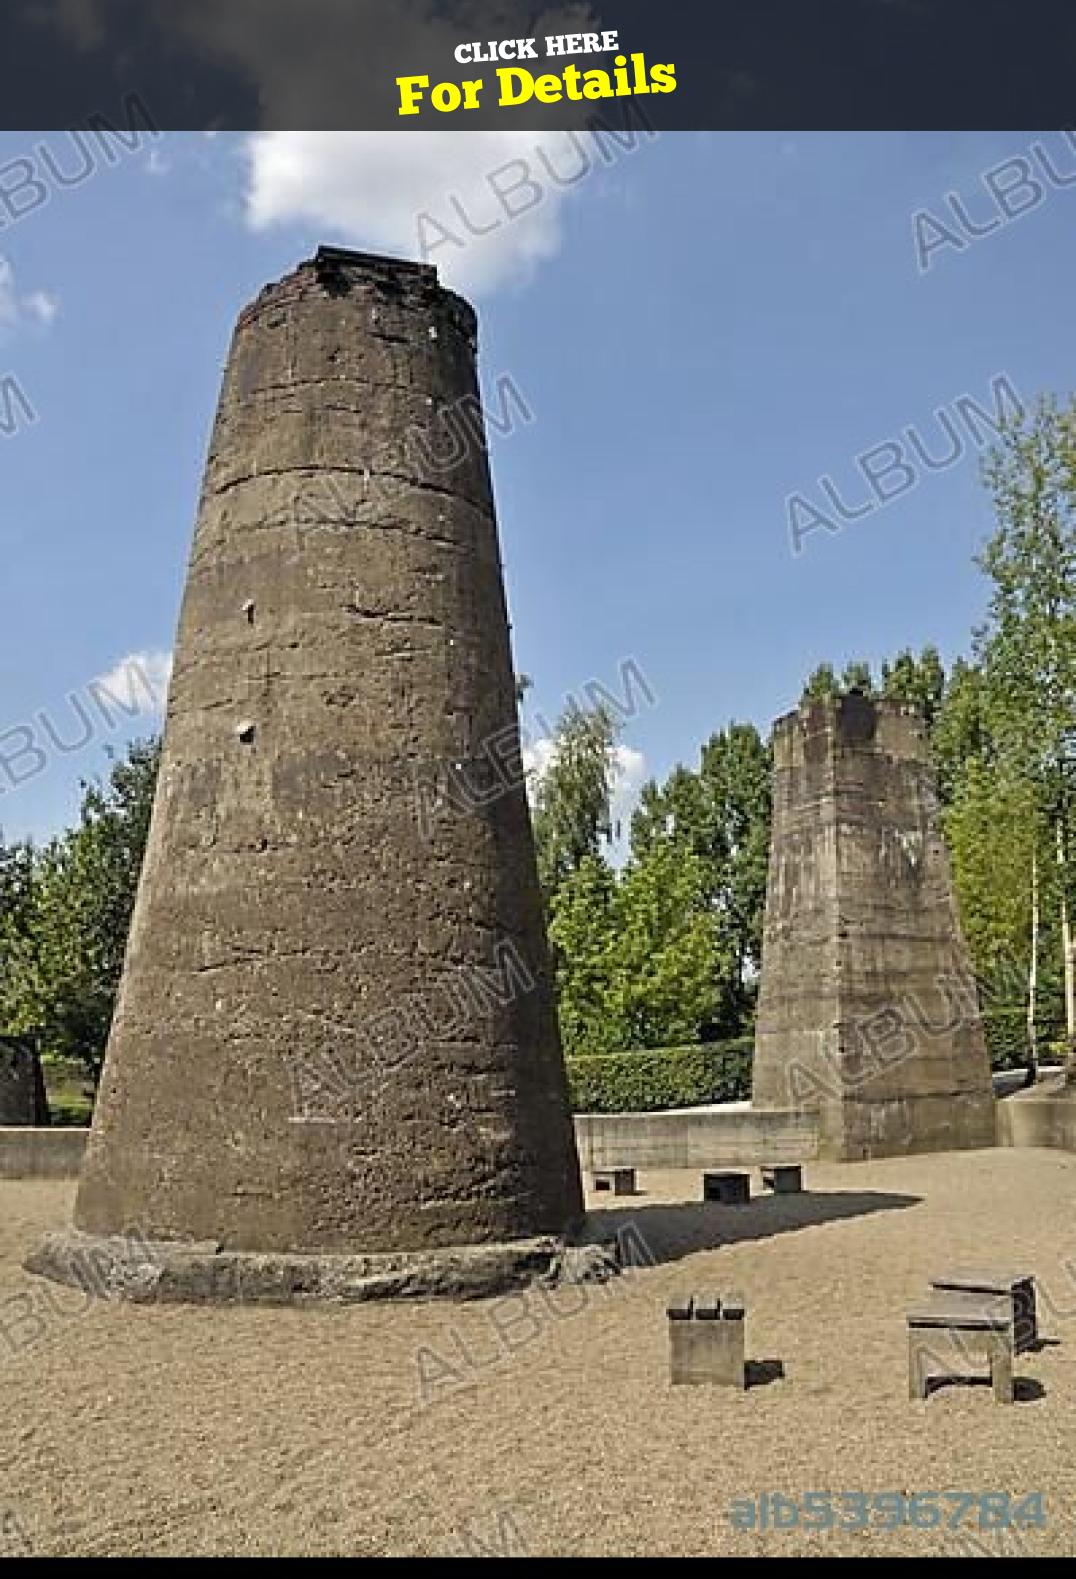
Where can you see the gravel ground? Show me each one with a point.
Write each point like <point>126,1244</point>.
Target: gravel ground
<point>546,1424</point>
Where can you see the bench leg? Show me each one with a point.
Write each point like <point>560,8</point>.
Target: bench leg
<point>917,1376</point>
<point>737,1361</point>
<point>1001,1372</point>
<point>1025,1317</point>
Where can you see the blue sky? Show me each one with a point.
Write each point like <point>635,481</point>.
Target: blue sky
<point>701,327</point>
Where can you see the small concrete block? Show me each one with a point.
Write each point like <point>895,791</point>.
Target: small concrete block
<point>616,1181</point>
<point>704,1346</point>
<point>731,1189</point>
<point>1015,1284</point>
<point>949,1327</point>
<point>783,1178</point>
<point>962,1312</point>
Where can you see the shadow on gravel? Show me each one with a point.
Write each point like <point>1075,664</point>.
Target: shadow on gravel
<point>1026,1389</point>
<point>760,1373</point>
<point>673,1230</point>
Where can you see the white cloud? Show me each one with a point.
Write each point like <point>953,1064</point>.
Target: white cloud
<point>42,306</point>
<point>9,302</point>
<point>537,756</point>
<point>483,206</point>
<point>17,309</point>
<point>371,189</point>
<point>138,683</point>
<point>631,774</point>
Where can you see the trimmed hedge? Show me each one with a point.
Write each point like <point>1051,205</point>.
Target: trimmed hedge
<point>662,1077</point>
<point>677,1077</point>
<point>1006,1036</point>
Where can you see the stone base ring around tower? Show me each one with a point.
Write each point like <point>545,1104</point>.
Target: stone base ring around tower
<point>169,1272</point>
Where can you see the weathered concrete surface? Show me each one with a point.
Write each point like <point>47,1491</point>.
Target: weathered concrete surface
<point>868,1014</point>
<point>147,1271</point>
<point>698,1138</point>
<point>706,1340</point>
<point>41,1153</point>
<point>335,1030</point>
<point>695,1139</point>
<point>22,1085</point>
<point>1043,1116</point>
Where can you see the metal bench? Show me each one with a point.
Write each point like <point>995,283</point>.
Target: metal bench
<point>1008,1283</point>
<point>706,1340</point>
<point>617,1181</point>
<point>951,1326</point>
<point>731,1189</point>
<point>783,1178</point>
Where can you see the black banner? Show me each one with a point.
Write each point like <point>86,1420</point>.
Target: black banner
<point>464,65</point>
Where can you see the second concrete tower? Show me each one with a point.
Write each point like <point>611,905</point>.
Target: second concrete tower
<point>336,1029</point>
<point>868,1014</point>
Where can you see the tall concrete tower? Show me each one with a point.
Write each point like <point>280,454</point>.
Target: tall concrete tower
<point>868,1013</point>
<point>336,1032</point>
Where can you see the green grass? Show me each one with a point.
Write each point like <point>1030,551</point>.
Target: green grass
<point>69,1092</point>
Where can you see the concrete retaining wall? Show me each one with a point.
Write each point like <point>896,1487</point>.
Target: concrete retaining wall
<point>691,1138</point>
<point>739,1135</point>
<point>41,1153</point>
<point>694,1138</point>
<point>1043,1117</point>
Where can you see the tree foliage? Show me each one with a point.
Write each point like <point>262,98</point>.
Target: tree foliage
<point>636,952</point>
<point>582,923</point>
<point>918,681</point>
<point>65,932</point>
<point>665,951</point>
<point>1027,648</point>
<point>573,796</point>
<point>719,816</point>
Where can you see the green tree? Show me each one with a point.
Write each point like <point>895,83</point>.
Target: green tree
<point>1028,644</point>
<point>573,796</point>
<point>664,964</point>
<point>582,924</point>
<point>992,829</point>
<point>737,768</point>
<point>857,677</point>
<point>66,965</point>
<point>680,811</point>
<point>1003,878</point>
<point>17,870</point>
<point>719,816</point>
<point>822,682</point>
<point>918,681</point>
<point>960,736</point>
